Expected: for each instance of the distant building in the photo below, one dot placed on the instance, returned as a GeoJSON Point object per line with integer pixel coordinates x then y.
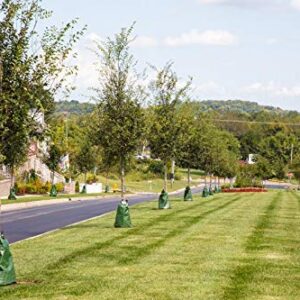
{"type": "Point", "coordinates": [251, 159]}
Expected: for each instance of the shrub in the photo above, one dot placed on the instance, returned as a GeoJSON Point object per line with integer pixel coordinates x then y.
{"type": "Point", "coordinates": [77, 187]}
{"type": "Point", "coordinates": [178, 176]}
{"type": "Point", "coordinates": [43, 189]}
{"type": "Point", "coordinates": [32, 176]}
{"type": "Point", "coordinates": [156, 167]}
{"type": "Point", "coordinates": [60, 187]}
{"type": "Point", "coordinates": [20, 188]}
{"type": "Point", "coordinates": [31, 188]}
{"type": "Point", "coordinates": [47, 186]}
{"type": "Point", "coordinates": [91, 179]}
{"type": "Point", "coordinates": [226, 186]}
{"type": "Point", "coordinates": [247, 177]}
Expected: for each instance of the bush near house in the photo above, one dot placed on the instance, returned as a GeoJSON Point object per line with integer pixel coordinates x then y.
{"type": "Point", "coordinates": [36, 187]}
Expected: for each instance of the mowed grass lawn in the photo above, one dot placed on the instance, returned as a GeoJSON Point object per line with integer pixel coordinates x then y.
{"type": "Point", "coordinates": [232, 246]}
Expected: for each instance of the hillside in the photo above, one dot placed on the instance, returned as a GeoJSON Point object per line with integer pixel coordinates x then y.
{"type": "Point", "coordinates": [74, 107]}
{"type": "Point", "coordinates": [220, 106]}
{"type": "Point", "coordinates": [238, 106]}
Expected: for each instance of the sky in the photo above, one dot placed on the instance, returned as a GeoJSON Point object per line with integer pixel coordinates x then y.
{"type": "Point", "coordinates": [233, 49]}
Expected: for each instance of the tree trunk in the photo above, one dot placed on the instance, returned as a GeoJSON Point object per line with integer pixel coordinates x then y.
{"type": "Point", "coordinates": [85, 177]}
{"type": "Point", "coordinates": [189, 176]}
{"type": "Point", "coordinates": [122, 167]}
{"type": "Point", "coordinates": [12, 175]}
{"type": "Point", "coordinates": [53, 177]}
{"type": "Point", "coordinates": [166, 178]}
{"type": "Point", "coordinates": [106, 179]}
{"type": "Point", "coordinates": [172, 172]}
{"type": "Point", "coordinates": [205, 181]}
{"type": "Point", "coordinates": [210, 180]}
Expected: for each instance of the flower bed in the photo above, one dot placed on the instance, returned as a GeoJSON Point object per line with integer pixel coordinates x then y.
{"type": "Point", "coordinates": [245, 190]}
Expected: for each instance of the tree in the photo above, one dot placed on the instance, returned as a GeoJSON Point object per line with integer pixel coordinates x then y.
{"type": "Point", "coordinates": [165, 129]}
{"type": "Point", "coordinates": [295, 167]}
{"type": "Point", "coordinates": [120, 115]}
{"type": "Point", "coordinates": [33, 69]}
{"type": "Point", "coordinates": [217, 150]}
{"type": "Point", "coordinates": [86, 158]}
{"type": "Point", "coordinates": [52, 160]}
{"type": "Point", "coordinates": [276, 149]}
{"type": "Point", "coordinates": [188, 139]}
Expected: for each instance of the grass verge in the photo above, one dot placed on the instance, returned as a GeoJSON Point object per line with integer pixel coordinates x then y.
{"type": "Point", "coordinates": [46, 197]}
{"type": "Point", "coordinates": [225, 247]}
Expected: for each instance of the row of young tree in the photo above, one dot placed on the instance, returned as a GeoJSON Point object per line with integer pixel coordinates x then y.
{"type": "Point", "coordinates": [172, 127]}
{"type": "Point", "coordinates": [167, 125]}
{"type": "Point", "coordinates": [34, 69]}
{"type": "Point", "coordinates": [122, 124]}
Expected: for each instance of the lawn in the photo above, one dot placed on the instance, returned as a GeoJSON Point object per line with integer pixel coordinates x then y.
{"type": "Point", "coordinates": [46, 197]}
{"type": "Point", "coordinates": [233, 246]}
{"type": "Point", "coordinates": [152, 186]}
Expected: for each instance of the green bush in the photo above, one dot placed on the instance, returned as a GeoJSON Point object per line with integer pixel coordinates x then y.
{"type": "Point", "coordinates": [33, 187]}
{"type": "Point", "coordinates": [226, 186]}
{"type": "Point", "coordinates": [247, 177]}
{"type": "Point", "coordinates": [20, 188]}
{"type": "Point", "coordinates": [156, 167]}
{"type": "Point", "coordinates": [77, 187]}
{"type": "Point", "coordinates": [60, 187]}
{"type": "Point", "coordinates": [178, 176]}
{"type": "Point", "coordinates": [91, 179]}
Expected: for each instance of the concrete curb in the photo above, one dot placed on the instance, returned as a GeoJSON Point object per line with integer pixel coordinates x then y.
{"type": "Point", "coordinates": [24, 205]}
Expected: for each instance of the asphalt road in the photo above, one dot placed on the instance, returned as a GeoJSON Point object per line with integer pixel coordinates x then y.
{"type": "Point", "coordinates": [25, 223]}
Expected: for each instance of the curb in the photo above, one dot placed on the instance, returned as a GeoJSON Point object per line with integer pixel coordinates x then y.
{"type": "Point", "coordinates": [31, 204]}
{"type": "Point", "coordinates": [24, 205]}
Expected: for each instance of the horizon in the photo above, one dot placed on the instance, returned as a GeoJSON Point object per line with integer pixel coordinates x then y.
{"type": "Point", "coordinates": [197, 100]}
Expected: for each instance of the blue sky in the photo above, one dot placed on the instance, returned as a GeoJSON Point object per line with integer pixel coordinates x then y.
{"type": "Point", "coordinates": [234, 49]}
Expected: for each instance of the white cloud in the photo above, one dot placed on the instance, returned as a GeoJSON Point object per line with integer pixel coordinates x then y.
{"type": "Point", "coordinates": [213, 1]}
{"type": "Point", "coordinates": [246, 3]}
{"type": "Point", "coordinates": [145, 42]}
{"type": "Point", "coordinates": [94, 37]}
{"type": "Point", "coordinates": [208, 37]}
{"type": "Point", "coordinates": [276, 4]}
{"type": "Point", "coordinates": [295, 4]}
{"type": "Point", "coordinates": [273, 88]}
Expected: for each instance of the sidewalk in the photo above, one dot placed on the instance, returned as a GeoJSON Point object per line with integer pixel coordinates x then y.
{"type": "Point", "coordinates": [22, 205]}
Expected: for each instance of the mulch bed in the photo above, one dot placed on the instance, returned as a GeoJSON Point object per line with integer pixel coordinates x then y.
{"type": "Point", "coordinates": [245, 190]}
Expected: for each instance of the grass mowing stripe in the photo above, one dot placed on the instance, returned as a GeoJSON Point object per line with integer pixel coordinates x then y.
{"type": "Point", "coordinates": [296, 196]}
{"type": "Point", "coordinates": [245, 272]}
{"type": "Point", "coordinates": [202, 256]}
{"type": "Point", "coordinates": [127, 232]}
{"type": "Point", "coordinates": [137, 253]}
{"type": "Point", "coordinates": [193, 264]}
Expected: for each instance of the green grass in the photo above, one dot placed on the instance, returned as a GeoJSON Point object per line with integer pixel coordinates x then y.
{"type": "Point", "coordinates": [46, 197]}
{"type": "Point", "coordinates": [152, 185]}
{"type": "Point", "coordinates": [233, 246]}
